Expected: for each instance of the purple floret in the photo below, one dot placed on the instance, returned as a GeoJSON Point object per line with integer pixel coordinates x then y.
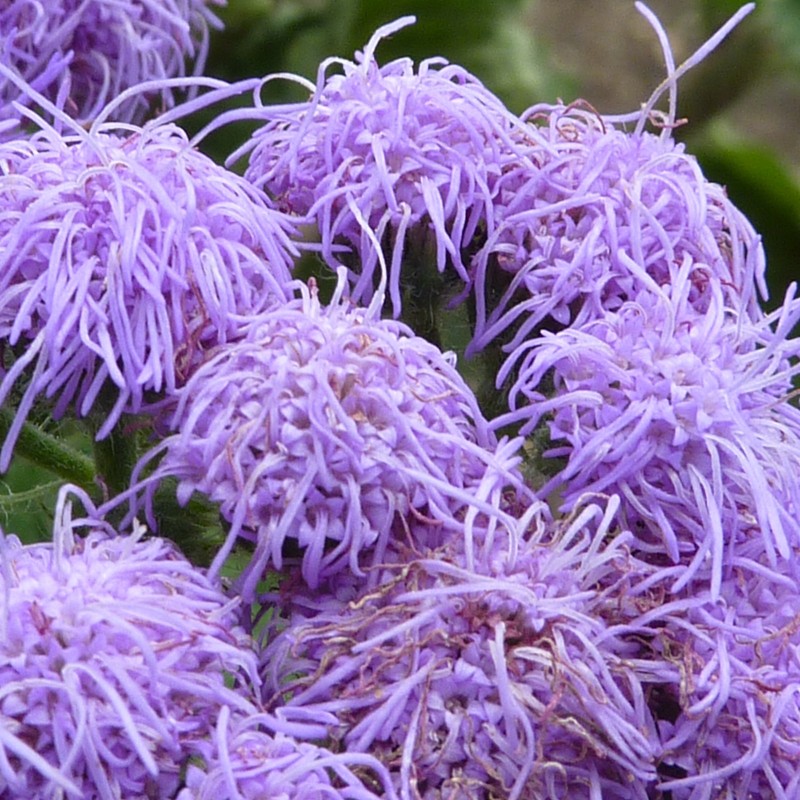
{"type": "Point", "coordinates": [116, 657]}
{"type": "Point", "coordinates": [85, 53]}
{"type": "Point", "coordinates": [687, 415]}
{"type": "Point", "coordinates": [324, 429]}
{"type": "Point", "coordinates": [477, 685]}
{"type": "Point", "coordinates": [248, 762]}
{"type": "Point", "coordinates": [414, 153]}
{"type": "Point", "coordinates": [599, 214]}
{"type": "Point", "coordinates": [124, 254]}
{"type": "Point", "coordinates": [729, 695]}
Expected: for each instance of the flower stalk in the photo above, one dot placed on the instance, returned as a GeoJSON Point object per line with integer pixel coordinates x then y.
{"type": "Point", "coordinates": [51, 452]}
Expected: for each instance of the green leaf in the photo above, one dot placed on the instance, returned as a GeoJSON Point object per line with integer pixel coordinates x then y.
{"type": "Point", "coordinates": [27, 498]}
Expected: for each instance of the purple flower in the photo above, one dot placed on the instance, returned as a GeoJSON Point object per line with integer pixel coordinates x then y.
{"type": "Point", "coordinates": [123, 255]}
{"type": "Point", "coordinates": [593, 208]}
{"type": "Point", "coordinates": [401, 152]}
{"type": "Point", "coordinates": [250, 763]}
{"type": "Point", "coordinates": [728, 709]}
{"type": "Point", "coordinates": [116, 655]}
{"type": "Point", "coordinates": [85, 53]}
{"type": "Point", "coordinates": [325, 428]}
{"type": "Point", "coordinates": [595, 216]}
{"type": "Point", "coordinates": [477, 685]}
{"type": "Point", "coordinates": [687, 415]}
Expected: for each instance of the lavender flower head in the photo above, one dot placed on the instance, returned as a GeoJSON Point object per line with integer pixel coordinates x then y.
{"type": "Point", "coordinates": [250, 763]}
{"type": "Point", "coordinates": [124, 253]}
{"type": "Point", "coordinates": [115, 653]}
{"type": "Point", "coordinates": [729, 716]}
{"type": "Point", "coordinates": [407, 153]}
{"type": "Point", "coordinates": [86, 53]}
{"type": "Point", "coordinates": [602, 205]}
{"type": "Point", "coordinates": [687, 415]}
{"type": "Point", "coordinates": [324, 428]}
{"type": "Point", "coordinates": [596, 210]}
{"type": "Point", "coordinates": [472, 685]}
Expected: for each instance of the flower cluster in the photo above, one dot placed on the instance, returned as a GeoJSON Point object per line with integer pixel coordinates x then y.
{"type": "Point", "coordinates": [116, 657]}
{"type": "Point", "coordinates": [478, 684]}
{"type": "Point", "coordinates": [85, 54]}
{"type": "Point", "coordinates": [388, 155]}
{"type": "Point", "coordinates": [683, 414]}
{"type": "Point", "coordinates": [326, 428]}
{"type": "Point", "coordinates": [453, 615]}
{"type": "Point", "coordinates": [123, 255]}
{"type": "Point", "coordinates": [596, 215]}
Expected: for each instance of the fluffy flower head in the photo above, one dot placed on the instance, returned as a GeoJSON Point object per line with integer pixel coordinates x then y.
{"type": "Point", "coordinates": [324, 427]}
{"type": "Point", "coordinates": [687, 415]}
{"type": "Point", "coordinates": [597, 214]}
{"type": "Point", "coordinates": [476, 685]}
{"type": "Point", "coordinates": [123, 254]}
{"type": "Point", "coordinates": [113, 661]}
{"type": "Point", "coordinates": [595, 206]}
{"type": "Point", "coordinates": [90, 51]}
{"type": "Point", "coordinates": [406, 152]}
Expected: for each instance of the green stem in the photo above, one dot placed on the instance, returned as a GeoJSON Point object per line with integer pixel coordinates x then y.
{"type": "Point", "coordinates": [423, 288]}
{"type": "Point", "coordinates": [194, 527]}
{"type": "Point", "coordinates": [116, 453]}
{"type": "Point", "coordinates": [45, 450]}
{"type": "Point", "coordinates": [115, 456]}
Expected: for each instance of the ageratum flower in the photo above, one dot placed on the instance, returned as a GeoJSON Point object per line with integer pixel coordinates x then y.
{"type": "Point", "coordinates": [116, 658]}
{"type": "Point", "coordinates": [91, 51]}
{"type": "Point", "coordinates": [506, 684]}
{"type": "Point", "coordinates": [729, 696]}
{"type": "Point", "coordinates": [685, 414]}
{"type": "Point", "coordinates": [124, 253]}
{"type": "Point", "coordinates": [412, 155]}
{"type": "Point", "coordinates": [594, 207]}
{"type": "Point", "coordinates": [323, 428]}
{"type": "Point", "coordinates": [250, 763]}
{"type": "Point", "coordinates": [598, 213]}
